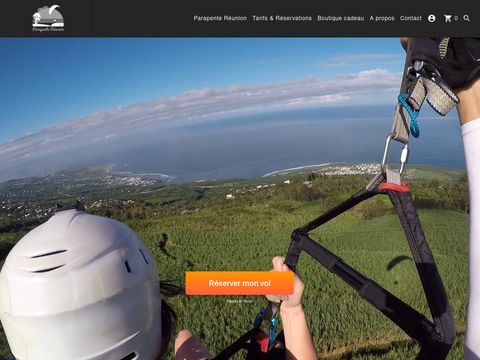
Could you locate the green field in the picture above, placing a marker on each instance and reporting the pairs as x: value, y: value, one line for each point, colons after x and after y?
x: 207, y: 232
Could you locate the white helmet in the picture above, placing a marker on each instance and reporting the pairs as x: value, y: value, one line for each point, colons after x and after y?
x: 81, y: 287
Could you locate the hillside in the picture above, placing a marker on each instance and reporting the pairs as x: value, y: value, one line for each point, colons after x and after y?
x: 241, y: 224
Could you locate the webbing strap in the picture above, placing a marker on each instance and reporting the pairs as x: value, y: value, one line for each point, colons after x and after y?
x: 401, y: 120
x: 248, y: 341
x: 420, y: 81
x: 401, y: 124
x: 431, y: 281
x: 439, y: 96
x: 435, y: 338
x: 243, y: 342
x: 392, y: 176
x: 415, y: 325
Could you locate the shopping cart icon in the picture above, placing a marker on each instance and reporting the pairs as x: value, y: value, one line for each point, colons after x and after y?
x: 448, y: 18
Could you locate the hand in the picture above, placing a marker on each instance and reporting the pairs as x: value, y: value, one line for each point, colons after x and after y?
x: 288, y: 301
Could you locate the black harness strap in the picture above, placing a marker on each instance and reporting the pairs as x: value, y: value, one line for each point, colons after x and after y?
x: 427, y: 269
x: 435, y: 338
x: 243, y: 342
x: 409, y: 320
x: 248, y: 342
x: 353, y: 200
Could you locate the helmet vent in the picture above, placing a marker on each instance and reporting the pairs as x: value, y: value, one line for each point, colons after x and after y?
x: 131, y: 356
x: 48, y: 254
x: 143, y: 256
x: 48, y: 269
x: 127, y: 266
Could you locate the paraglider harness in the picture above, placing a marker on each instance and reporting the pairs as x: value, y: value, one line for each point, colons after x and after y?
x: 420, y: 81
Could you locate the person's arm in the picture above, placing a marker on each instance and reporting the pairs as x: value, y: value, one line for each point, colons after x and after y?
x: 469, y: 106
x: 298, y: 341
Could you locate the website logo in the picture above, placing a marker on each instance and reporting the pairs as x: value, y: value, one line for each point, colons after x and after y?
x: 47, y: 18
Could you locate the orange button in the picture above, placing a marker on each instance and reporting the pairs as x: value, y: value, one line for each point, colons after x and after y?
x: 239, y: 283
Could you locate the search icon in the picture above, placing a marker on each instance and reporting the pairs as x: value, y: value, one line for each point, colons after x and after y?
x: 466, y: 17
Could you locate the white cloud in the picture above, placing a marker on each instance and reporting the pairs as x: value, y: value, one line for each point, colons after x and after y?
x: 354, y: 59
x: 201, y: 105
x: 368, y: 57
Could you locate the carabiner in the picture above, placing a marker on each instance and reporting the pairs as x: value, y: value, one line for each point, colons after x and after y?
x: 403, y: 156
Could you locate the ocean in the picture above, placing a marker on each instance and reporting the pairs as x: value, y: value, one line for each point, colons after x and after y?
x: 254, y: 145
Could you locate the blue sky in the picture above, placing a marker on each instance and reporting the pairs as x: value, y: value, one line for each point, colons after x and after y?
x: 49, y: 81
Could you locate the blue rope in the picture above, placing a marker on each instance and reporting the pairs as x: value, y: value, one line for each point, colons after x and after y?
x: 414, y: 128
x: 273, y: 330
